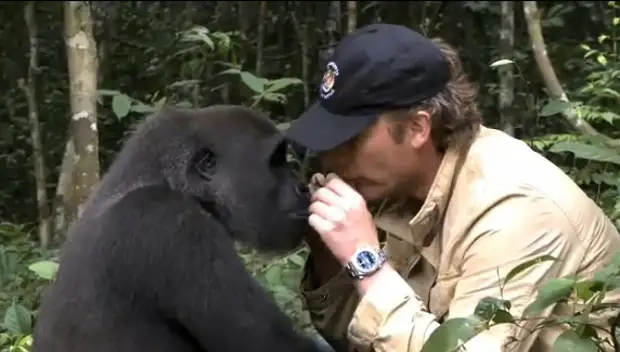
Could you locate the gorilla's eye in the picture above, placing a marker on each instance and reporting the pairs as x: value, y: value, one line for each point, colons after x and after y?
x: 205, y: 162
x: 278, y: 157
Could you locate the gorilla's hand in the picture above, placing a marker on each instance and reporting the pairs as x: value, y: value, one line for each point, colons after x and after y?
x: 319, y: 180
x: 316, y: 181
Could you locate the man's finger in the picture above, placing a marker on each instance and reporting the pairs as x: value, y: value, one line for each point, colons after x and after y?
x: 328, y: 212
x: 321, y: 225
x: 342, y: 189
x: 326, y: 195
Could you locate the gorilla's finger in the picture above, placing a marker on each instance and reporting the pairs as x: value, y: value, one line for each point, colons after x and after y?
x: 316, y: 181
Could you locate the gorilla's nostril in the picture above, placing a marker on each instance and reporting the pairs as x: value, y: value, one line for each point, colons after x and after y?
x: 302, y: 189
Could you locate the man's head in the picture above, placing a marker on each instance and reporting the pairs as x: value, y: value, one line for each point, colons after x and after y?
x: 390, y: 103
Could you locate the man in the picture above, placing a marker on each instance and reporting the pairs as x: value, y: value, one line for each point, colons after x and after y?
x: 461, y: 204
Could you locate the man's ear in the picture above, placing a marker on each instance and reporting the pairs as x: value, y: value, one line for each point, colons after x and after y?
x: 420, y: 127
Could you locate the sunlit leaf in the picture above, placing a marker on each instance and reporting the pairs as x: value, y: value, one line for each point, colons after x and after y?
x: 121, y: 105
x: 453, y: 333
x: 279, y: 84
x: 487, y: 307
x: 551, y: 293
x: 108, y: 92
x: 585, y: 289
x: 296, y: 259
x: 18, y: 319
x: 554, y: 107
x: 254, y: 83
x: 503, y: 317
x: 526, y: 265
x: 283, y: 126
x: 501, y: 62
x: 587, y: 151
x: 45, y: 269
x: 569, y: 340
x: 229, y: 71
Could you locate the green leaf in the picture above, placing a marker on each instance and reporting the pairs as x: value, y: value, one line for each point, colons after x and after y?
x: 453, y: 333
x: 273, y: 97
x: 121, y: 105
x: 144, y: 108
x: 108, y: 92
x: 45, y: 269
x: 18, y: 319
x: 585, y: 289
x: 571, y: 341
x: 279, y: 84
x: 254, y: 83
x: 587, y: 151
x: 609, y: 117
x: 551, y: 293
x: 488, y: 307
x: 501, y: 62
x: 283, y: 126
x: 198, y: 34
x: 526, y: 265
x: 503, y: 317
x: 273, y: 276
x: 296, y: 259
x: 554, y: 107
x: 230, y: 71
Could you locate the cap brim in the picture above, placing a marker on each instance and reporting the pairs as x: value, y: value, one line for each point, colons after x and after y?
x: 319, y: 130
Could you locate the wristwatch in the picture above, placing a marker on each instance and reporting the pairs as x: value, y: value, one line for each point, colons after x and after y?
x: 365, y: 262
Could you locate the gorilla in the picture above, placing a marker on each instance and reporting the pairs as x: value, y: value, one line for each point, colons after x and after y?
x: 150, y: 265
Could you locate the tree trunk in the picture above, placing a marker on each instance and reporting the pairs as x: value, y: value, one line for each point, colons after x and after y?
x: 82, y: 61
x: 351, y: 16
x: 506, y: 72
x: 29, y: 89
x: 532, y: 17
x: 260, y: 38
x: 63, y: 200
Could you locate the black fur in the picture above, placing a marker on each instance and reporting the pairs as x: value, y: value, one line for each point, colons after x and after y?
x: 151, y: 264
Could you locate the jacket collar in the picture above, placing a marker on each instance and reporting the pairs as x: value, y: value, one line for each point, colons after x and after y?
x: 418, y: 229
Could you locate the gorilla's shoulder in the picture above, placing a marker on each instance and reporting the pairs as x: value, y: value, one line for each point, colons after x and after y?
x: 155, y: 199
x: 147, y: 210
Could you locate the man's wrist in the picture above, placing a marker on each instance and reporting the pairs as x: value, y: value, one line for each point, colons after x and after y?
x: 386, y: 272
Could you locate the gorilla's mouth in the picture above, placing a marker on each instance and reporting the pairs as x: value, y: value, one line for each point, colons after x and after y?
x: 299, y: 215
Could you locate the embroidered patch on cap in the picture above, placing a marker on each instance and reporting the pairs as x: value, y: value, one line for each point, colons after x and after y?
x: 329, y: 80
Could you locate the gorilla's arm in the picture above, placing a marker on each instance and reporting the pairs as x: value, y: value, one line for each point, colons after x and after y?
x: 209, y: 293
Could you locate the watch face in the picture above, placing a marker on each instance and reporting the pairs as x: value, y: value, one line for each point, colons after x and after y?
x: 366, y: 260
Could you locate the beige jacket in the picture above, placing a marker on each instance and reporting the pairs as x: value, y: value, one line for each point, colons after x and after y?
x: 491, y: 207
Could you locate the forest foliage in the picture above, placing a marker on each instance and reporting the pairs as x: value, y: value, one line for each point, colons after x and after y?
x: 548, y: 74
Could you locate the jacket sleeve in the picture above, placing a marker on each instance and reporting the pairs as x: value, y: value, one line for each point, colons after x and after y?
x: 329, y: 305
x: 390, y: 318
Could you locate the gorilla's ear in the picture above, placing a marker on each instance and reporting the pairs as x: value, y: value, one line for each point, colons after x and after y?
x: 204, y: 163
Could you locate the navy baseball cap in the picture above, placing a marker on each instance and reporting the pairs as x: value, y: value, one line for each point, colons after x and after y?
x: 377, y: 68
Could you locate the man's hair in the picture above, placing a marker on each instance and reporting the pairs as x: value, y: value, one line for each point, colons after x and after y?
x: 455, y: 116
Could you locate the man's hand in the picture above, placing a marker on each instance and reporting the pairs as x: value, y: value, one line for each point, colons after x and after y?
x: 340, y: 216
x: 324, y: 265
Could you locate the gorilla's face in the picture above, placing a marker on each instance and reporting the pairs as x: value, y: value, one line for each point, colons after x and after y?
x: 251, y: 188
